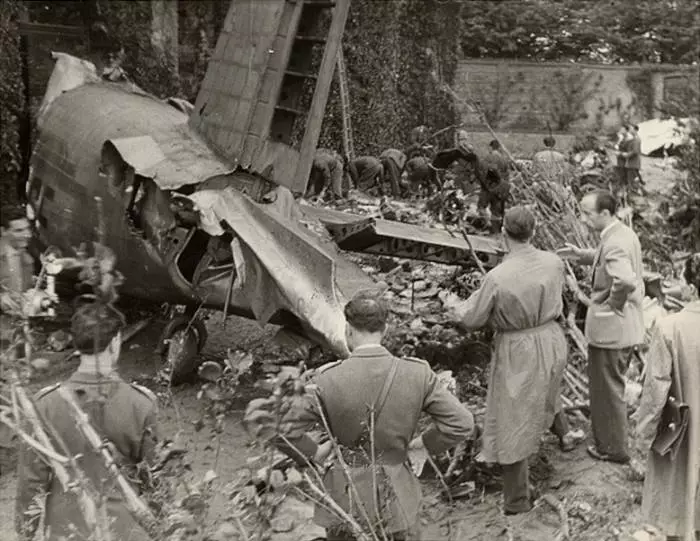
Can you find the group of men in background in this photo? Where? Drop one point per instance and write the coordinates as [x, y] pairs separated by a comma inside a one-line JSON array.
[[420, 169], [417, 170]]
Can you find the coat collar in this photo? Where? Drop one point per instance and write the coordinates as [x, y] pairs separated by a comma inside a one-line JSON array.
[[370, 351], [91, 377]]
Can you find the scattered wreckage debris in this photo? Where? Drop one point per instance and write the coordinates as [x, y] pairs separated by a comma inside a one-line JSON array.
[[189, 228]]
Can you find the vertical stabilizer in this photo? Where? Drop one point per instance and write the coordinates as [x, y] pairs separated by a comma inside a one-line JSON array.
[[263, 98]]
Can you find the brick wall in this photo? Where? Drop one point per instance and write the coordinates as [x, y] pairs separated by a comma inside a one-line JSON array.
[[571, 97], [521, 144]]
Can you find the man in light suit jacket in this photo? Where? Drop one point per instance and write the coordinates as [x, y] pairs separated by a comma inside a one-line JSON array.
[[614, 323]]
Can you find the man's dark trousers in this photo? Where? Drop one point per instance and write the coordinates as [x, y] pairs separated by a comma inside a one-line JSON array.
[[606, 369]]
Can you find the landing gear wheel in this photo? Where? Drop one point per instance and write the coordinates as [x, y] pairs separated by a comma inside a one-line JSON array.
[[180, 345]]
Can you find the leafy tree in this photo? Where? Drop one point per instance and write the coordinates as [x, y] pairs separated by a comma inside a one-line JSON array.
[[391, 51], [612, 32]]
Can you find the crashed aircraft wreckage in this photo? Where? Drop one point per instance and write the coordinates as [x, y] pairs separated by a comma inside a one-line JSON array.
[[199, 206]]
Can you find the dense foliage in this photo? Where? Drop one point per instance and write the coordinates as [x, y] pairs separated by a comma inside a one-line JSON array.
[[685, 196], [391, 49], [11, 88], [619, 31]]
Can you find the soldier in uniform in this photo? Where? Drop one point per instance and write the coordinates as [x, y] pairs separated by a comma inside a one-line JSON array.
[[418, 145], [326, 172], [393, 162], [366, 172], [400, 391], [123, 414], [493, 174]]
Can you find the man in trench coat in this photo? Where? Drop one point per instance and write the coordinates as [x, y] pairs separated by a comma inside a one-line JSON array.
[[522, 300], [671, 497], [614, 323]]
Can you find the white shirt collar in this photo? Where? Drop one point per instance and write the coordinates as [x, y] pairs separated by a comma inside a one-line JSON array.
[[608, 227]]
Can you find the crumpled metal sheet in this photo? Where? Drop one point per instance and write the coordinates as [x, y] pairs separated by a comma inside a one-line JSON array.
[[284, 269], [68, 73], [141, 152], [659, 133], [85, 112], [171, 162]]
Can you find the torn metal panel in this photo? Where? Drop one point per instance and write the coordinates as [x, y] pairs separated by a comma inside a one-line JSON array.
[[68, 73], [262, 100], [110, 112], [141, 152], [284, 267], [385, 237], [224, 105]]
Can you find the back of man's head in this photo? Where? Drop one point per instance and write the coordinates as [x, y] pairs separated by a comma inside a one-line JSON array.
[[519, 223], [549, 142], [94, 326], [605, 200], [495, 145], [367, 312], [10, 213]]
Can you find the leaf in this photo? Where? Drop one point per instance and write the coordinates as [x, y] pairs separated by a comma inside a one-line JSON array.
[[210, 371], [277, 479], [282, 524], [294, 477], [209, 477]]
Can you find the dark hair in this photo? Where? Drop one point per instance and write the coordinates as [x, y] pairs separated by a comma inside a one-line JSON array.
[[692, 270], [367, 312], [11, 213], [495, 144], [519, 223], [549, 141], [94, 326], [604, 200]]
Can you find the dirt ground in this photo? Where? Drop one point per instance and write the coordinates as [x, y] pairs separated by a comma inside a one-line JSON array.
[[601, 500]]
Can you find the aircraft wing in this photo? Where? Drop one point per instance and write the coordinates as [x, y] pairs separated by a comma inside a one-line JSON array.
[[371, 235], [281, 266]]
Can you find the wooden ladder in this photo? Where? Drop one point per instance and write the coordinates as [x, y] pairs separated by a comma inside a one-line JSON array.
[[301, 72], [348, 144]]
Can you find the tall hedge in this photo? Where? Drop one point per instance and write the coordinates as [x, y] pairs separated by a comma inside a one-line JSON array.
[[391, 48], [11, 103]]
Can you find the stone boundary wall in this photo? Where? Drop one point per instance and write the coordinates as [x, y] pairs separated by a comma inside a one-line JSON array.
[[570, 97]]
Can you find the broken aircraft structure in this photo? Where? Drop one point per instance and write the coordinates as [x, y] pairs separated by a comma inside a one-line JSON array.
[[198, 204]]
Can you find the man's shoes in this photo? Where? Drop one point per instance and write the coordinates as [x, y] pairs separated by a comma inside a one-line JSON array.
[[510, 513], [605, 457]]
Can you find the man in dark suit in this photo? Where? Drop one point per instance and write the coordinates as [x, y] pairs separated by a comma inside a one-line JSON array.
[[632, 155], [614, 323], [374, 388]]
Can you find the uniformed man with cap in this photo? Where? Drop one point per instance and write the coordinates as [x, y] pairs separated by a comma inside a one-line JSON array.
[[398, 391], [123, 414]]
